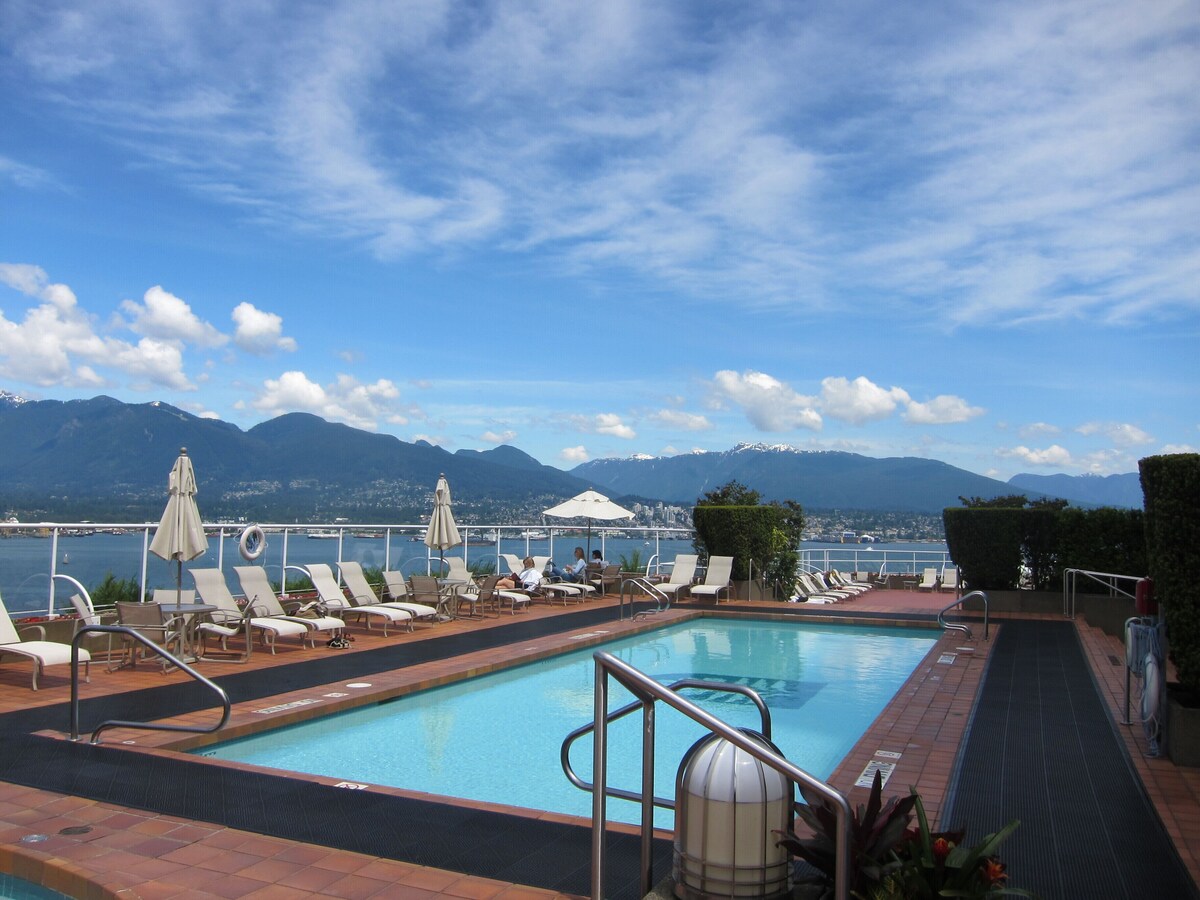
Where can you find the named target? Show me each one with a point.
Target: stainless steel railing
(648, 692)
(959, 626)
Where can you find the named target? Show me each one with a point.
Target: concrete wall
(1098, 610)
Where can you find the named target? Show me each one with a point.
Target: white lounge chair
(683, 573)
(950, 579)
(807, 591)
(838, 581)
(928, 580)
(822, 585)
(335, 600)
(42, 652)
(230, 619)
(261, 597)
(716, 579)
(86, 615)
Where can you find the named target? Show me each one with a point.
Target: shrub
(111, 590)
(1171, 485)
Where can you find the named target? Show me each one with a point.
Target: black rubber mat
(1042, 749)
(475, 842)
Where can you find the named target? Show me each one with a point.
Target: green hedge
(1004, 549)
(1171, 485)
(743, 532)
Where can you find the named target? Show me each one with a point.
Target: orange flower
(992, 870)
(941, 849)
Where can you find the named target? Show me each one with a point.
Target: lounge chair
(683, 573)
(229, 620)
(929, 580)
(716, 579)
(261, 597)
(950, 579)
(808, 591)
(396, 588)
(489, 593)
(336, 601)
(86, 615)
(837, 581)
(42, 652)
(822, 586)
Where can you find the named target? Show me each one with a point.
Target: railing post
(600, 779)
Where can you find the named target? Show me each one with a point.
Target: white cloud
(259, 332)
(57, 344)
(499, 437)
(1178, 448)
(604, 423)
(1036, 429)
(768, 403)
(944, 409)
(164, 316)
(1054, 455)
(575, 455)
(684, 421)
(345, 400)
(23, 176)
(1121, 434)
(859, 401)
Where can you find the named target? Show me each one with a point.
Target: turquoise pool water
(497, 738)
(14, 888)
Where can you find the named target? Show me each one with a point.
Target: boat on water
(322, 534)
(535, 535)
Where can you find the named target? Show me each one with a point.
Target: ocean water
(26, 562)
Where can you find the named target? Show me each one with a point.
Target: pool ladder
(642, 584)
(647, 692)
(959, 626)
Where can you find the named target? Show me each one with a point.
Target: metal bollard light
(729, 810)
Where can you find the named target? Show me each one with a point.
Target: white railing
(883, 562)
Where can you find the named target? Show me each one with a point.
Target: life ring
(1151, 688)
(252, 543)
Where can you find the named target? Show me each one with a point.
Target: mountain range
(107, 460)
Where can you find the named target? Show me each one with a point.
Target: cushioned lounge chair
(822, 586)
(838, 581)
(41, 652)
(230, 619)
(683, 573)
(808, 592)
(950, 579)
(716, 579)
(928, 580)
(261, 597)
(336, 601)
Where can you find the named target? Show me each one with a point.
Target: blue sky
(961, 231)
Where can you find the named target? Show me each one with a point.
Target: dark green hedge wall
(743, 532)
(985, 544)
(1171, 485)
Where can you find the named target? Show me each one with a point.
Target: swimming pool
(14, 888)
(497, 738)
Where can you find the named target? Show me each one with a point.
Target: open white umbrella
(442, 533)
(180, 534)
(590, 505)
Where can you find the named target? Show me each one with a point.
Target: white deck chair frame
(716, 579)
(41, 652)
(331, 594)
(260, 597)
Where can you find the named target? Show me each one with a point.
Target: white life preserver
(252, 543)
(1151, 689)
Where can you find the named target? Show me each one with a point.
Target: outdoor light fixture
(729, 807)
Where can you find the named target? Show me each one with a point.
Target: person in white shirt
(528, 579)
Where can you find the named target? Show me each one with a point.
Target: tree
(733, 493)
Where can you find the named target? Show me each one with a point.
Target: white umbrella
(180, 534)
(442, 533)
(590, 505)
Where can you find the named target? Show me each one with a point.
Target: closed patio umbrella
(442, 533)
(590, 505)
(180, 534)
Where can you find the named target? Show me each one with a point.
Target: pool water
(497, 738)
(14, 888)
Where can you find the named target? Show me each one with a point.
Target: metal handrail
(643, 584)
(752, 695)
(1069, 578)
(146, 726)
(648, 691)
(958, 626)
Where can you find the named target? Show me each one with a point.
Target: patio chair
(151, 622)
(42, 652)
(396, 589)
(822, 585)
(229, 619)
(716, 579)
(490, 594)
(806, 592)
(610, 576)
(928, 580)
(950, 579)
(336, 601)
(426, 590)
(683, 573)
(86, 615)
(840, 582)
(261, 597)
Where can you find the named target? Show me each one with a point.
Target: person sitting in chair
(598, 560)
(528, 579)
(574, 571)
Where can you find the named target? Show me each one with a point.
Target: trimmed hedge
(743, 532)
(1171, 485)
(1006, 549)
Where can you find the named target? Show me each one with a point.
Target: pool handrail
(958, 626)
(647, 586)
(147, 726)
(648, 691)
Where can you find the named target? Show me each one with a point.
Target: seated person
(528, 579)
(598, 560)
(574, 571)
